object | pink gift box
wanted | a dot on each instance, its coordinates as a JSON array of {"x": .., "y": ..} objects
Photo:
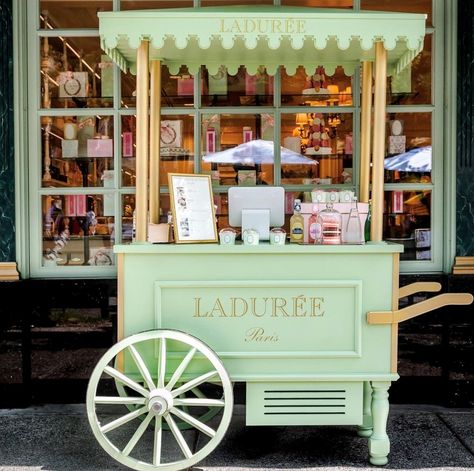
[
  {"x": 185, "y": 86},
  {"x": 100, "y": 148}
]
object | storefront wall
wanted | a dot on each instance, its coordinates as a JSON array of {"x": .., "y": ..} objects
[{"x": 66, "y": 324}]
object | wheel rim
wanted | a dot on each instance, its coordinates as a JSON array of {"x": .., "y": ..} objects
[{"x": 158, "y": 368}]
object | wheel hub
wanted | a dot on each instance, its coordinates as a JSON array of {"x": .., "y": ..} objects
[{"x": 160, "y": 401}]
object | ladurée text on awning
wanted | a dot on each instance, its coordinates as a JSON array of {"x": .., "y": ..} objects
[
  {"x": 262, "y": 25},
  {"x": 295, "y": 306}
]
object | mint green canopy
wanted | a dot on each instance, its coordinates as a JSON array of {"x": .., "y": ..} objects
[{"x": 257, "y": 36}]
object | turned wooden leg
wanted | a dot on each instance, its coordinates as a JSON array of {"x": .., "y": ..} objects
[
  {"x": 365, "y": 430},
  {"x": 379, "y": 443}
]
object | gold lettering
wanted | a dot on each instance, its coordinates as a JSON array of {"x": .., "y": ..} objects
[
  {"x": 249, "y": 23},
  {"x": 257, "y": 334},
  {"x": 217, "y": 308},
  {"x": 197, "y": 302},
  {"x": 234, "y": 307},
  {"x": 301, "y": 26},
  {"x": 298, "y": 305},
  {"x": 276, "y": 26},
  {"x": 279, "y": 304},
  {"x": 316, "y": 307},
  {"x": 261, "y": 29},
  {"x": 222, "y": 29},
  {"x": 235, "y": 28},
  {"x": 289, "y": 26},
  {"x": 254, "y": 307}
]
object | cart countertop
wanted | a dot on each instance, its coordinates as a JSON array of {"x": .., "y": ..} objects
[{"x": 264, "y": 248}]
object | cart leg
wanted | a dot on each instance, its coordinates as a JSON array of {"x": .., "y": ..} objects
[
  {"x": 379, "y": 443},
  {"x": 365, "y": 430}
]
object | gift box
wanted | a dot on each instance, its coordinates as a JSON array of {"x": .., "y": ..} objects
[
  {"x": 100, "y": 148},
  {"x": 127, "y": 144},
  {"x": 185, "y": 86}
]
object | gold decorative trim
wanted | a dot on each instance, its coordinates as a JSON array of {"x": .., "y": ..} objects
[
  {"x": 8, "y": 271},
  {"x": 463, "y": 266}
]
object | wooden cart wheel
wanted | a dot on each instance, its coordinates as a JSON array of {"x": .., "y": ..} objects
[{"x": 159, "y": 367}]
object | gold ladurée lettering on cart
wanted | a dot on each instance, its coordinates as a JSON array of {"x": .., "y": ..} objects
[
  {"x": 296, "y": 306},
  {"x": 262, "y": 26},
  {"x": 258, "y": 334}
]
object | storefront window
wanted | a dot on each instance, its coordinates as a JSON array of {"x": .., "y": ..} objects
[
  {"x": 176, "y": 153},
  {"x": 404, "y": 6},
  {"x": 151, "y": 4},
  {"x": 238, "y": 149},
  {"x": 77, "y": 151},
  {"x": 409, "y": 151},
  {"x": 78, "y": 229},
  {"x": 71, "y": 14},
  {"x": 75, "y": 73},
  {"x": 319, "y": 3},
  {"x": 316, "y": 88},
  {"x": 407, "y": 221},
  {"x": 241, "y": 89},
  {"x": 176, "y": 90},
  {"x": 412, "y": 85},
  {"x": 317, "y": 148}
]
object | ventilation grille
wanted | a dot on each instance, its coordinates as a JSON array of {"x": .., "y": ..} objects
[{"x": 304, "y": 403}]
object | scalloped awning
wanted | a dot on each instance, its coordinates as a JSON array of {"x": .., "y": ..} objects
[{"x": 261, "y": 36}]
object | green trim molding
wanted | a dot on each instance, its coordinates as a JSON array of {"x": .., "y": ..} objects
[
  {"x": 465, "y": 132},
  {"x": 7, "y": 162}
]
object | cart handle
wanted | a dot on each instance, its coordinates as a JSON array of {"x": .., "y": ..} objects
[
  {"x": 421, "y": 286},
  {"x": 400, "y": 315}
]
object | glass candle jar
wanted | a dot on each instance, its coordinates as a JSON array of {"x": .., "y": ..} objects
[
  {"x": 330, "y": 221},
  {"x": 277, "y": 236},
  {"x": 227, "y": 236}
]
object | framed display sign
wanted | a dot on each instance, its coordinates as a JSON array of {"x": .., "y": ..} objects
[{"x": 192, "y": 205}]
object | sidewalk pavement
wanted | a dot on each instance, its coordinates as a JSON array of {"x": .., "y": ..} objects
[{"x": 58, "y": 438}]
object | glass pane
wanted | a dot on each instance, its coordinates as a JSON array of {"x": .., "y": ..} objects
[
  {"x": 317, "y": 89},
  {"x": 218, "y": 3},
  {"x": 319, "y": 3},
  {"x": 177, "y": 145},
  {"x": 407, "y": 221},
  {"x": 150, "y": 4},
  {"x": 412, "y": 86},
  {"x": 78, "y": 230},
  {"x": 77, "y": 151},
  {"x": 318, "y": 148},
  {"x": 72, "y": 14},
  {"x": 406, "y": 6},
  {"x": 176, "y": 90},
  {"x": 238, "y": 149},
  {"x": 75, "y": 73},
  {"x": 409, "y": 156},
  {"x": 242, "y": 89}
]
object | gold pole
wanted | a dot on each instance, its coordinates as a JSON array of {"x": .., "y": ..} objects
[
  {"x": 155, "y": 125},
  {"x": 366, "y": 131},
  {"x": 141, "y": 196},
  {"x": 378, "y": 153}
]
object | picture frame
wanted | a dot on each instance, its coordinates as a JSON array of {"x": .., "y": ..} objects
[
  {"x": 192, "y": 206},
  {"x": 171, "y": 133}
]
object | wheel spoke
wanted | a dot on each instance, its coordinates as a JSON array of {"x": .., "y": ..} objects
[
  {"x": 198, "y": 393},
  {"x": 142, "y": 367},
  {"x": 123, "y": 420},
  {"x": 138, "y": 434},
  {"x": 199, "y": 402},
  {"x": 180, "y": 370},
  {"x": 162, "y": 364},
  {"x": 194, "y": 422},
  {"x": 193, "y": 383},
  {"x": 119, "y": 400},
  {"x": 157, "y": 442},
  {"x": 127, "y": 381},
  {"x": 178, "y": 436}
]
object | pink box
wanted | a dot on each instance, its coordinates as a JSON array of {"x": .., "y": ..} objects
[
  {"x": 100, "y": 148},
  {"x": 185, "y": 86},
  {"x": 247, "y": 135},
  {"x": 75, "y": 205},
  {"x": 127, "y": 144},
  {"x": 397, "y": 201},
  {"x": 210, "y": 140}
]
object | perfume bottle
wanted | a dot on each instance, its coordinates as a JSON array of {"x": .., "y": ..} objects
[
  {"x": 297, "y": 223},
  {"x": 314, "y": 227},
  {"x": 353, "y": 229},
  {"x": 331, "y": 225},
  {"x": 368, "y": 222}
]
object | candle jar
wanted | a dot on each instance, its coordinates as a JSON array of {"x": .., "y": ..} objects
[
  {"x": 277, "y": 236},
  {"x": 227, "y": 236},
  {"x": 330, "y": 222},
  {"x": 250, "y": 237}
]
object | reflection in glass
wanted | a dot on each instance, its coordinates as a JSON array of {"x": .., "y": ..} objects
[
  {"x": 324, "y": 138},
  {"x": 409, "y": 153},
  {"x": 77, "y": 151},
  {"x": 223, "y": 132},
  {"x": 407, "y": 221},
  {"x": 72, "y": 14},
  {"x": 176, "y": 90},
  {"x": 412, "y": 85},
  {"x": 241, "y": 89},
  {"x": 177, "y": 145},
  {"x": 405, "y": 6},
  {"x": 152, "y": 4},
  {"x": 317, "y": 89},
  {"x": 78, "y": 230},
  {"x": 319, "y": 3},
  {"x": 75, "y": 73}
]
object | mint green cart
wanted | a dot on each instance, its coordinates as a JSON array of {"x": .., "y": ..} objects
[{"x": 311, "y": 330}]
